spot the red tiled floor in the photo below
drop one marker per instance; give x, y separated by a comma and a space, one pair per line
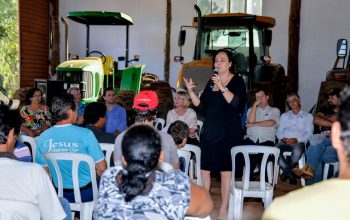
253, 208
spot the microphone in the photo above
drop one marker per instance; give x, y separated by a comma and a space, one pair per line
211, 84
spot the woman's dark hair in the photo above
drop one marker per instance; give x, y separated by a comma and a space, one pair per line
230, 58
30, 95
60, 106
141, 149
8, 119
93, 112
179, 130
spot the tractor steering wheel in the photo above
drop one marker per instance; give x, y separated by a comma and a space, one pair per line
102, 56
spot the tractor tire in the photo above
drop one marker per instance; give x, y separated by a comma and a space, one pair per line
147, 79
326, 86
125, 98
165, 97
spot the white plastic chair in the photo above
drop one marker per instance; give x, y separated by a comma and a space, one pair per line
159, 124
195, 165
109, 149
29, 141
246, 188
199, 128
326, 169
187, 156
301, 164
85, 208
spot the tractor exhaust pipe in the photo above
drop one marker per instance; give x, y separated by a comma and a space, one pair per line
65, 22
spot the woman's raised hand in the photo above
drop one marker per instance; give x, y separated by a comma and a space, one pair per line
189, 84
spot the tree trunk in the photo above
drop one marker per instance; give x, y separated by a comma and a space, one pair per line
54, 34
167, 41
293, 45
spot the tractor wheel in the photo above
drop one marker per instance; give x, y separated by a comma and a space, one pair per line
147, 79
326, 86
125, 98
165, 97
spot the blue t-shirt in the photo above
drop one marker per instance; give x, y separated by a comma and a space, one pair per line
81, 109
116, 119
69, 138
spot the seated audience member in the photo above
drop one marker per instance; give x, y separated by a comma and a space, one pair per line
294, 129
116, 115
66, 137
137, 190
327, 199
145, 108
23, 183
76, 93
179, 131
183, 113
262, 120
95, 120
320, 149
37, 117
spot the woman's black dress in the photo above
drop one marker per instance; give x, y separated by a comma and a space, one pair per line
222, 125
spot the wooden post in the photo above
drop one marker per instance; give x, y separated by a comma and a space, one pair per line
293, 46
167, 41
54, 35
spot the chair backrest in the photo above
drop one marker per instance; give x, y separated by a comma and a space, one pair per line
246, 150
187, 156
199, 128
18, 210
29, 141
108, 149
76, 159
159, 124
194, 164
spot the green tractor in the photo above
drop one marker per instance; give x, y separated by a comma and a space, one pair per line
94, 73
248, 37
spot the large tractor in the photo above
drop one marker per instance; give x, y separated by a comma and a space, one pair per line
95, 71
337, 78
248, 37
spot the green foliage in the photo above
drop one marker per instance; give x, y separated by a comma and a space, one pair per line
9, 46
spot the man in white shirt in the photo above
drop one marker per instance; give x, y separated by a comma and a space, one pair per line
262, 121
24, 185
327, 199
294, 130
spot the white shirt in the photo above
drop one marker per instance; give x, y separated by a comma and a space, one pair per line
299, 126
262, 134
29, 183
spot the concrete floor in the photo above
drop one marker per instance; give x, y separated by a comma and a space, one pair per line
253, 208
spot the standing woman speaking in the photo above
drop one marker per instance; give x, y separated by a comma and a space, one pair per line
222, 103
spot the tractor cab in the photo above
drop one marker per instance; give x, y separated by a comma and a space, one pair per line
97, 71
248, 37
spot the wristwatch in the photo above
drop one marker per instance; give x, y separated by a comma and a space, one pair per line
223, 90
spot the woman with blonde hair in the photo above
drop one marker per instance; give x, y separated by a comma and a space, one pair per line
183, 113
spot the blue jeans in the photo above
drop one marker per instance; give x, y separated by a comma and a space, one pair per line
287, 164
65, 205
318, 154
